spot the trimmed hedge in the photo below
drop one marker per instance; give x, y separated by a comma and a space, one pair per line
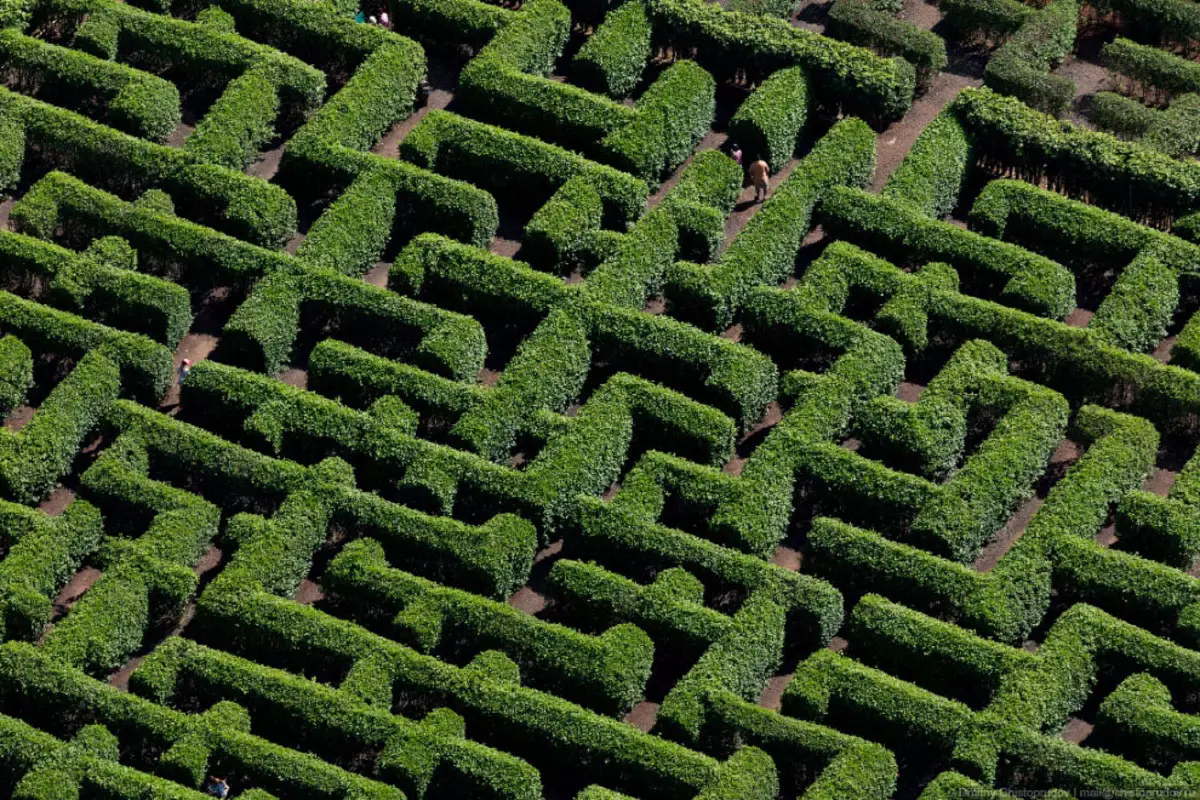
1022, 66
765, 251
936, 655
822, 762
263, 331
1139, 307
1175, 131
137, 102
1112, 173
672, 116
740, 662
547, 371
501, 161
16, 373
1119, 114
769, 122
1000, 474
1163, 529
220, 734
252, 209
1138, 721
607, 672
146, 367
335, 141
546, 729
849, 77
60, 204
562, 233
1151, 67
873, 24
613, 59
40, 562
505, 83
766, 8
931, 176
115, 295
706, 190
32, 460
206, 53
929, 437
867, 700
997, 18
351, 235
239, 123
898, 228
1169, 21
670, 609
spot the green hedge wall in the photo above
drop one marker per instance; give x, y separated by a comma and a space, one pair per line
872, 24
768, 124
137, 102
1022, 66
849, 77
613, 59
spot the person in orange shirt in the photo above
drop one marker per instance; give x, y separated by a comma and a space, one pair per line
760, 177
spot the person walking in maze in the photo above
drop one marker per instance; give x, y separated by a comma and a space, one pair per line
184, 369
218, 787
760, 177
736, 155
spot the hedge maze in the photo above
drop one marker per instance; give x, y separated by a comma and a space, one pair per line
520, 454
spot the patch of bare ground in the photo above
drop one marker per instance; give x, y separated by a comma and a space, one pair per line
389, 145
1003, 541
378, 274
19, 418
57, 502
787, 557
505, 247
120, 678
643, 716
528, 601
1106, 536
1160, 482
1089, 77
1077, 730
309, 593
177, 137
1079, 318
75, 588
293, 244
5, 210
266, 166
909, 392
531, 598
1163, 351
922, 14
772, 694
294, 377
713, 140
1063, 458
751, 438
194, 347
442, 79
